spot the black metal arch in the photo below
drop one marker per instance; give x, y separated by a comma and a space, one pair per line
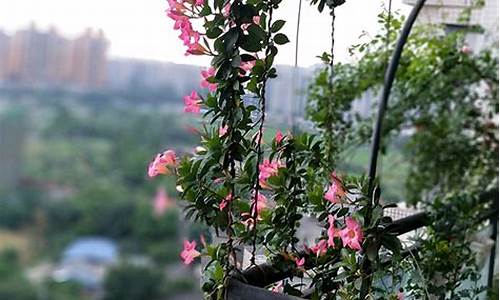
388, 81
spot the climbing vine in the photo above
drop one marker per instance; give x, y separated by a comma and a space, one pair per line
254, 193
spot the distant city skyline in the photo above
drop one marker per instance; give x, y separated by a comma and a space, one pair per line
34, 56
142, 31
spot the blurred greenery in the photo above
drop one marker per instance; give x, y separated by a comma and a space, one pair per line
82, 172
127, 282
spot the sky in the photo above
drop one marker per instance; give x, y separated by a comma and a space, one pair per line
139, 28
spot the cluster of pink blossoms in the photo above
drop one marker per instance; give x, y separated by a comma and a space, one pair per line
268, 169
191, 38
162, 163
351, 236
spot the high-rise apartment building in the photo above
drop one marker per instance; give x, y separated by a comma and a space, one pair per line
89, 58
4, 47
32, 56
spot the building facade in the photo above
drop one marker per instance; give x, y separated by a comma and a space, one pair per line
453, 15
31, 56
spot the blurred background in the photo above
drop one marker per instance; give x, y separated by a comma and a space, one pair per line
89, 92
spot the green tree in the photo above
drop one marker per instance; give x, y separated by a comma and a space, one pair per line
127, 282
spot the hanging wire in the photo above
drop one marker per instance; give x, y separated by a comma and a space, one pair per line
297, 106
297, 34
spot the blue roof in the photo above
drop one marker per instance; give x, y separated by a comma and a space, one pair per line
92, 249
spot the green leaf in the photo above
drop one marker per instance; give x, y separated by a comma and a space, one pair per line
392, 243
277, 25
214, 32
281, 39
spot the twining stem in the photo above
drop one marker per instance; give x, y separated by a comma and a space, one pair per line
262, 96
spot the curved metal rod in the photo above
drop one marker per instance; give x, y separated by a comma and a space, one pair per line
388, 80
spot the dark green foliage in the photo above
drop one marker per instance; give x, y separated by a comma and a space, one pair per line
128, 282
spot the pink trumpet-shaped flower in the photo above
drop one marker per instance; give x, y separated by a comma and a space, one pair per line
225, 201
320, 248
202, 240
161, 202
255, 19
278, 288
195, 49
218, 180
261, 202
223, 130
226, 10
206, 74
401, 296
161, 163
199, 2
279, 136
189, 252
335, 190
466, 50
192, 103
300, 262
332, 231
247, 66
352, 235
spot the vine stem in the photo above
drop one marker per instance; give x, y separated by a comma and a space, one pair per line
262, 97
329, 123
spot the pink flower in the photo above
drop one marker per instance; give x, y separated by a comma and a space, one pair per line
218, 180
247, 66
332, 231
192, 130
278, 288
202, 240
258, 137
223, 130
352, 235
195, 49
335, 190
261, 202
161, 202
161, 163
320, 248
401, 296
189, 253
466, 50
199, 2
300, 262
279, 136
255, 19
206, 74
226, 10
266, 170
192, 103
225, 201
189, 36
